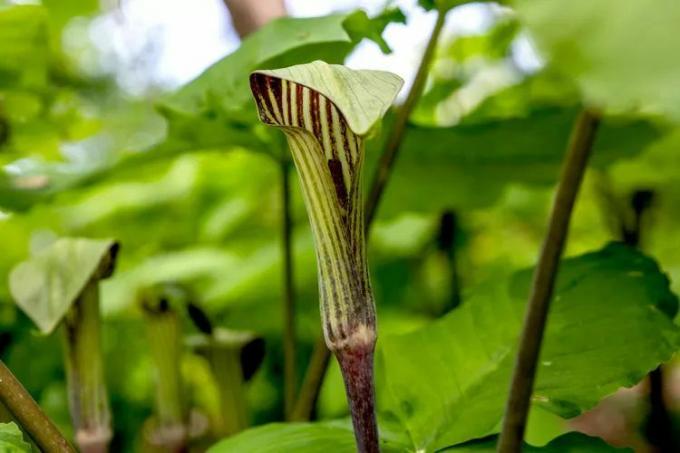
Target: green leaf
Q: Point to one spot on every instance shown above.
(567, 443)
(608, 327)
(359, 26)
(283, 42)
(23, 47)
(362, 96)
(298, 437)
(622, 53)
(468, 165)
(445, 5)
(12, 440)
(46, 285)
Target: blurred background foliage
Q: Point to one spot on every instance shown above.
(187, 181)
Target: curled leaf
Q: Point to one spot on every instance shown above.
(46, 285)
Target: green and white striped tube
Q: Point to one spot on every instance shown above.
(325, 112)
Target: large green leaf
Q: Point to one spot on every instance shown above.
(300, 437)
(362, 96)
(11, 439)
(283, 42)
(609, 325)
(566, 443)
(468, 165)
(317, 437)
(622, 53)
(46, 285)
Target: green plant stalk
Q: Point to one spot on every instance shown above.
(329, 159)
(289, 337)
(226, 368)
(517, 409)
(170, 428)
(29, 415)
(88, 401)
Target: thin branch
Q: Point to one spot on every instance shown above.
(311, 385)
(289, 337)
(578, 151)
(29, 415)
(389, 155)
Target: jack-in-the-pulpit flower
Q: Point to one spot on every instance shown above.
(326, 111)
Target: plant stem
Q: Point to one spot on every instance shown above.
(311, 385)
(356, 364)
(578, 151)
(289, 337)
(169, 430)
(226, 366)
(29, 415)
(389, 155)
(88, 400)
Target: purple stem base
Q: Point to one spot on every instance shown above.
(356, 364)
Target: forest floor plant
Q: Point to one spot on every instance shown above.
(61, 285)
(325, 112)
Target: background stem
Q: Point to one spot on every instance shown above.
(289, 336)
(389, 155)
(578, 151)
(88, 401)
(311, 385)
(169, 430)
(29, 415)
(316, 370)
(226, 366)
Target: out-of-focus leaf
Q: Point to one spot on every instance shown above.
(23, 47)
(359, 26)
(468, 165)
(608, 327)
(445, 5)
(622, 53)
(46, 285)
(11, 439)
(566, 443)
(298, 437)
(283, 42)
(363, 97)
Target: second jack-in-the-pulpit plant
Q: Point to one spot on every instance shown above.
(60, 285)
(326, 112)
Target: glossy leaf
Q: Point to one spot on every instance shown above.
(46, 285)
(609, 325)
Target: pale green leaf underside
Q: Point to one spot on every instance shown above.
(11, 439)
(46, 285)
(608, 327)
(363, 96)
